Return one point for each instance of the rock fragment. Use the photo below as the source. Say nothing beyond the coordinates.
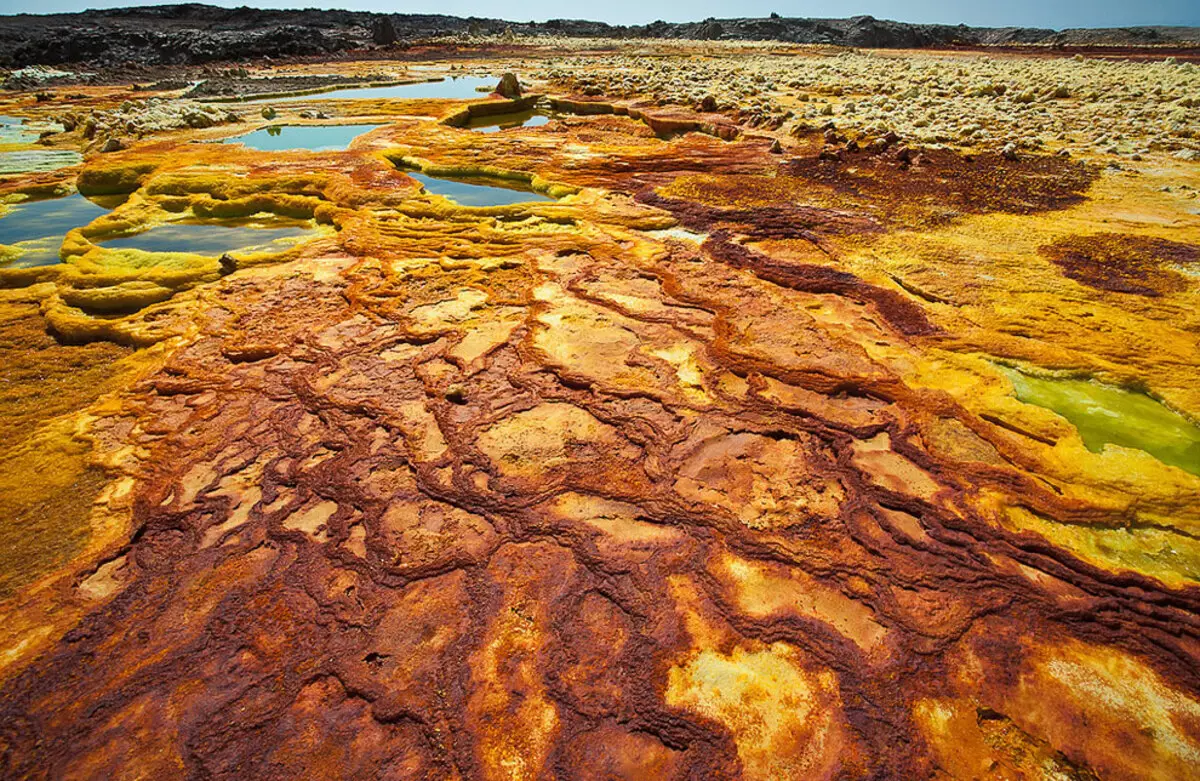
(509, 86)
(383, 32)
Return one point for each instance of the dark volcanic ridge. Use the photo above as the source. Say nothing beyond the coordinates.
(195, 33)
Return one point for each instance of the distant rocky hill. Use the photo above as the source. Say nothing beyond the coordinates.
(194, 33)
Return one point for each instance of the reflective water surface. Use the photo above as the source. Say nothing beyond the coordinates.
(479, 192)
(12, 132)
(316, 138)
(505, 121)
(213, 238)
(38, 227)
(460, 88)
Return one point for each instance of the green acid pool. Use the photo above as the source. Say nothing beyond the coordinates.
(1105, 414)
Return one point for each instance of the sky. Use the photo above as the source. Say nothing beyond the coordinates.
(994, 13)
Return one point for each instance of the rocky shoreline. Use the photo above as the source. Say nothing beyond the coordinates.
(194, 34)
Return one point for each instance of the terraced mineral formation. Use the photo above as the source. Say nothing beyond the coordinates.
(728, 449)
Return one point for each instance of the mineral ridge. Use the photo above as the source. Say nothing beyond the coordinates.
(826, 415)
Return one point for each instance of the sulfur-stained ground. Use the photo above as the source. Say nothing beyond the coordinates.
(761, 447)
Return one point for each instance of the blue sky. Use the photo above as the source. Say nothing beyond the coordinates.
(1025, 13)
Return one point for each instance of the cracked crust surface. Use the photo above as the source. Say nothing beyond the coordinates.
(711, 467)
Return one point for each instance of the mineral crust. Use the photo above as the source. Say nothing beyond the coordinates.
(866, 457)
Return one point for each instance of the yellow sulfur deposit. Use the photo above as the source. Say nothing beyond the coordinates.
(758, 412)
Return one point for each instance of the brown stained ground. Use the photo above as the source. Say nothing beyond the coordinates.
(1125, 264)
(939, 184)
(704, 470)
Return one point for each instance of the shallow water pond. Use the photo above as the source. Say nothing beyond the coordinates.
(479, 192)
(12, 131)
(315, 138)
(506, 121)
(460, 88)
(1105, 414)
(38, 227)
(213, 238)
(16, 132)
(24, 161)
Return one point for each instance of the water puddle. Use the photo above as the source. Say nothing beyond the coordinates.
(479, 191)
(28, 161)
(498, 122)
(17, 132)
(1105, 414)
(215, 238)
(459, 88)
(37, 227)
(13, 132)
(315, 138)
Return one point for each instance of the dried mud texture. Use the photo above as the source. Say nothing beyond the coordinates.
(709, 466)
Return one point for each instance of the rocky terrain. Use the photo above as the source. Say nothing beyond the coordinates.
(194, 33)
(774, 412)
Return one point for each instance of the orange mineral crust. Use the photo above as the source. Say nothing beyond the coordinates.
(632, 438)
